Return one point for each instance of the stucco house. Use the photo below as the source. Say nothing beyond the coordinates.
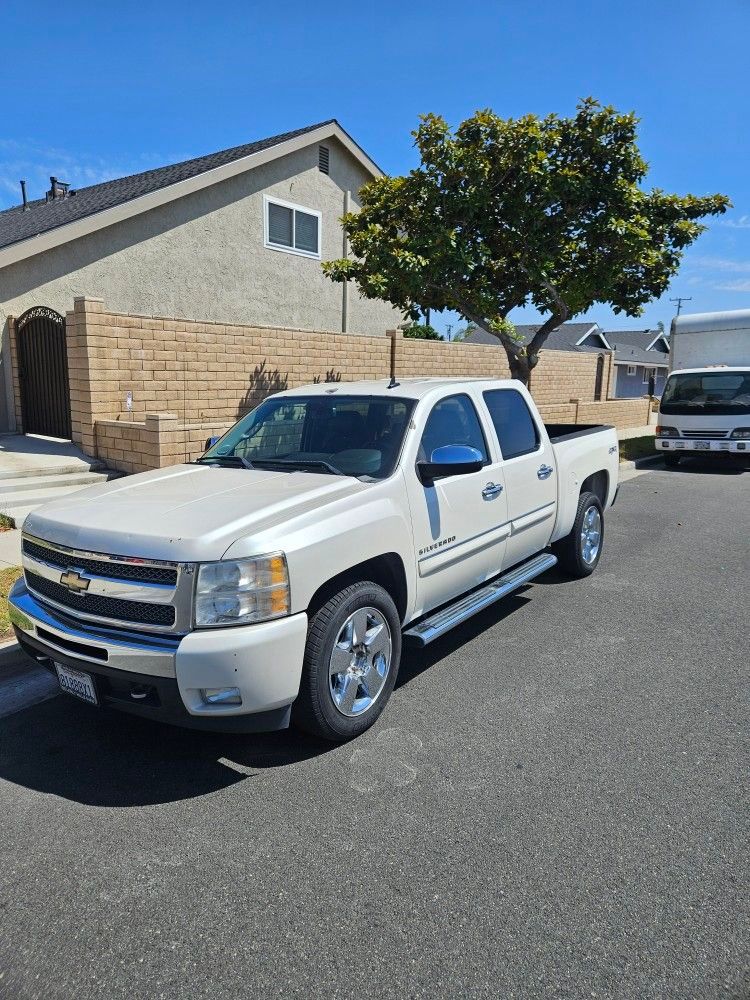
(234, 237)
(638, 354)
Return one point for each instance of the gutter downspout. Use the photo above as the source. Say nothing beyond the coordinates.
(345, 287)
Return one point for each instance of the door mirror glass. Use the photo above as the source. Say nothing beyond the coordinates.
(450, 460)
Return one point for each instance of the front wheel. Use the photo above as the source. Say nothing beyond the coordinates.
(670, 459)
(579, 552)
(351, 663)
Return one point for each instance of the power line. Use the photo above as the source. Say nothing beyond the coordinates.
(680, 299)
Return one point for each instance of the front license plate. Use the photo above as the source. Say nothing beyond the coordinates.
(702, 445)
(77, 683)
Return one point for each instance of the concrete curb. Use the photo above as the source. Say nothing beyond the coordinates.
(638, 462)
(23, 682)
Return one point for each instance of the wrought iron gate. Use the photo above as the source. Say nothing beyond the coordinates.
(43, 372)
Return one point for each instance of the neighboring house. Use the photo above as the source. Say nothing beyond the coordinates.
(235, 237)
(637, 353)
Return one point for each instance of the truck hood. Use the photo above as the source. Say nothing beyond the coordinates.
(187, 513)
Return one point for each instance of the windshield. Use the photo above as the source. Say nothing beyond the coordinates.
(337, 434)
(707, 392)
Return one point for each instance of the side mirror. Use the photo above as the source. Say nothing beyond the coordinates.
(450, 460)
(210, 442)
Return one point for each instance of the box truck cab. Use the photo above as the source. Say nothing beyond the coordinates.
(705, 407)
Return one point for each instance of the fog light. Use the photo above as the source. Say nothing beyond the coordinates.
(221, 696)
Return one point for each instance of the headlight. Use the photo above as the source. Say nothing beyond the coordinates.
(666, 432)
(241, 591)
(740, 432)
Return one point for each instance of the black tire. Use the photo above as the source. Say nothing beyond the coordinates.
(570, 550)
(315, 710)
(670, 459)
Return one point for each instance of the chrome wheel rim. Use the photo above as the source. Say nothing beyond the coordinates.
(360, 662)
(591, 535)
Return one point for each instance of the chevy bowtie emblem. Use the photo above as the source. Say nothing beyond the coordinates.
(74, 581)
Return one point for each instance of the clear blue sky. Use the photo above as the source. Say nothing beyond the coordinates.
(93, 90)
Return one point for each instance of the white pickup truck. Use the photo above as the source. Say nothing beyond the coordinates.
(273, 579)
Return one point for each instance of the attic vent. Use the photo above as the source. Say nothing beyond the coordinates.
(323, 159)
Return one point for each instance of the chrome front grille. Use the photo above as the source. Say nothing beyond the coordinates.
(113, 608)
(714, 435)
(110, 590)
(115, 570)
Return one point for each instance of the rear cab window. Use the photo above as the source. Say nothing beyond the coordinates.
(516, 429)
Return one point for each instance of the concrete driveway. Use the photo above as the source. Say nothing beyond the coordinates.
(555, 805)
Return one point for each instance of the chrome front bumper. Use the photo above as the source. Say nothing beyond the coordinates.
(136, 653)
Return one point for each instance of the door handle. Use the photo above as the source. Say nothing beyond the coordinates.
(544, 471)
(491, 490)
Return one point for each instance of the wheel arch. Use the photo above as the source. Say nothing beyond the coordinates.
(598, 484)
(387, 570)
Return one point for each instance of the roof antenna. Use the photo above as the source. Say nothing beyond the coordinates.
(25, 199)
(393, 383)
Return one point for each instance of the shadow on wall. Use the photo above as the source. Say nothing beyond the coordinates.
(263, 382)
(266, 381)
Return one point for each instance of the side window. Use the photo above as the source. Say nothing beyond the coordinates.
(452, 421)
(513, 423)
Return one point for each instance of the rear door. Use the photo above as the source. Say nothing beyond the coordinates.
(528, 464)
(460, 522)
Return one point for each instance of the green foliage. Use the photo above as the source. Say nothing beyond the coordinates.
(547, 212)
(422, 331)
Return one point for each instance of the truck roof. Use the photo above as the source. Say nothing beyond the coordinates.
(412, 388)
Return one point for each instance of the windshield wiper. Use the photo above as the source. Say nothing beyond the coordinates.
(299, 463)
(235, 461)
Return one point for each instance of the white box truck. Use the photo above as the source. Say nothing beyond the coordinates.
(705, 406)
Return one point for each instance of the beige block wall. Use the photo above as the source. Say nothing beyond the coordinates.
(200, 377)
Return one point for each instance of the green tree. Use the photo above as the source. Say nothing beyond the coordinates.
(547, 212)
(422, 331)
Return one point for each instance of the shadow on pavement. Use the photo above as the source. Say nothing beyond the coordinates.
(702, 466)
(105, 758)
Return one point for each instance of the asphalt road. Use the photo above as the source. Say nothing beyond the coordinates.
(555, 805)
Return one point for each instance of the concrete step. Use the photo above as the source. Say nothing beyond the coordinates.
(21, 484)
(47, 470)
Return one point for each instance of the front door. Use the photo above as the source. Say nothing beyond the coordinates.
(460, 522)
(530, 474)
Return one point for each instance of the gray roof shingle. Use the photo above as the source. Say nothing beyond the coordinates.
(629, 345)
(17, 225)
(562, 339)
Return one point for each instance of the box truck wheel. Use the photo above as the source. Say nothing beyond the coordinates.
(670, 459)
(351, 663)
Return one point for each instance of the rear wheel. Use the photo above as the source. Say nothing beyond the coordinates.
(579, 552)
(351, 663)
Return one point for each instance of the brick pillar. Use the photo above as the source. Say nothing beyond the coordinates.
(165, 441)
(80, 326)
(15, 383)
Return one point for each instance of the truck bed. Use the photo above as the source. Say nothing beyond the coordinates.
(562, 432)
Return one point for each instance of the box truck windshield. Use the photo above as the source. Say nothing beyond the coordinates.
(707, 392)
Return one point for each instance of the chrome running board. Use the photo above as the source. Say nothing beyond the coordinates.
(445, 619)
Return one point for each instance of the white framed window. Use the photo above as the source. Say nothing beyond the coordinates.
(631, 369)
(291, 228)
(647, 373)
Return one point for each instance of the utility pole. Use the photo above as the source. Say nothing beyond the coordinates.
(680, 299)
